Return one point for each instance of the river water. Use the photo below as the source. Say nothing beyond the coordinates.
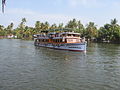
(26, 67)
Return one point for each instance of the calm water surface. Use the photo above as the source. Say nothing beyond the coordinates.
(26, 67)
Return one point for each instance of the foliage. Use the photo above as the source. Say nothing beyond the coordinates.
(109, 32)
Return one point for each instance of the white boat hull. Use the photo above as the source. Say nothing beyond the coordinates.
(67, 46)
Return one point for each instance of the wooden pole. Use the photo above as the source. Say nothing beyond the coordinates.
(3, 5)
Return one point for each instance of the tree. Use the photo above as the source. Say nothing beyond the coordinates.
(1, 27)
(46, 25)
(91, 31)
(72, 24)
(37, 26)
(114, 21)
(115, 30)
(104, 32)
(53, 26)
(22, 24)
(10, 28)
(60, 26)
(80, 28)
(21, 28)
(2, 31)
(110, 32)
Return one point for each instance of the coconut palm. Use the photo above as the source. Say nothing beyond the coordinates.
(1, 27)
(60, 26)
(80, 27)
(2, 32)
(22, 24)
(53, 26)
(91, 30)
(46, 25)
(114, 21)
(110, 31)
(115, 30)
(10, 28)
(37, 26)
(72, 24)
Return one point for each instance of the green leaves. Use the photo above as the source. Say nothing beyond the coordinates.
(110, 31)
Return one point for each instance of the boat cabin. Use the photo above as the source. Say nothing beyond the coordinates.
(64, 37)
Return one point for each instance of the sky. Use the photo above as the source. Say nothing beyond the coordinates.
(60, 11)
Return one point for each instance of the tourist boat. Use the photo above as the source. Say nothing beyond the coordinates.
(63, 39)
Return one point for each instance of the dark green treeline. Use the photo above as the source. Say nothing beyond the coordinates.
(110, 32)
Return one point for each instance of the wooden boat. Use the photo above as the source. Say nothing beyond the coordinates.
(62, 40)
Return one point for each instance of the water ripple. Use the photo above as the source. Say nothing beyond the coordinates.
(26, 67)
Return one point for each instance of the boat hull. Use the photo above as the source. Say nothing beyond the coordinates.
(68, 46)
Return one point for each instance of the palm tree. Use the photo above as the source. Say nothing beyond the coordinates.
(110, 31)
(21, 28)
(115, 30)
(114, 21)
(80, 27)
(2, 32)
(11, 25)
(60, 26)
(46, 25)
(10, 28)
(22, 24)
(91, 30)
(1, 27)
(53, 26)
(42, 26)
(24, 20)
(37, 26)
(72, 24)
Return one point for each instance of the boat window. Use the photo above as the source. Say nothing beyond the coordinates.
(65, 40)
(75, 35)
(69, 35)
(60, 40)
(63, 35)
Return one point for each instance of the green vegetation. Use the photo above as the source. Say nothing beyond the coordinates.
(107, 33)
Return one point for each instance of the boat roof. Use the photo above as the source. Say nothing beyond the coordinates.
(70, 33)
(54, 30)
